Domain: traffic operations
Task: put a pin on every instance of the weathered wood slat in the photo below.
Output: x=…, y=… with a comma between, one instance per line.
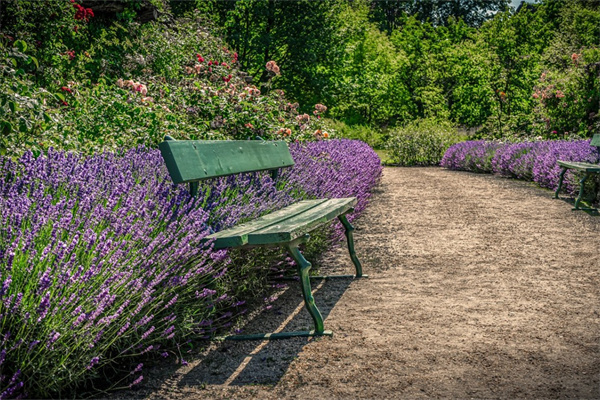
x=580, y=166
x=238, y=235
x=193, y=160
x=292, y=228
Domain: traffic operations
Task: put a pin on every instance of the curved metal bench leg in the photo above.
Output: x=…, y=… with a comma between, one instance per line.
x=349, y=228
x=560, y=182
x=581, y=185
x=303, y=269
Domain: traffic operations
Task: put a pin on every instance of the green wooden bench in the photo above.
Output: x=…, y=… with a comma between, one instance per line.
x=190, y=161
x=586, y=168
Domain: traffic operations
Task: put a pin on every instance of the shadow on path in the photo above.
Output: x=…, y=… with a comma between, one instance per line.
x=253, y=362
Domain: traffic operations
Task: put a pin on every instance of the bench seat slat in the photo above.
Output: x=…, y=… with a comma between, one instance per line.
x=238, y=235
x=292, y=228
x=580, y=166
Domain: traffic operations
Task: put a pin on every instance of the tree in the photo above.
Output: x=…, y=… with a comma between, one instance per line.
x=387, y=13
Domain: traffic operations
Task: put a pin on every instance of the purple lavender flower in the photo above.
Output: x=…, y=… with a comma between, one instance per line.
x=137, y=381
x=93, y=361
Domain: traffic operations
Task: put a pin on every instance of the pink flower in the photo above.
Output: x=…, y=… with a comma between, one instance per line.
x=319, y=109
x=302, y=118
x=272, y=67
x=560, y=94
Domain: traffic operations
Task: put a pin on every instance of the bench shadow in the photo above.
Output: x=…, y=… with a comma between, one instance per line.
x=594, y=212
x=255, y=362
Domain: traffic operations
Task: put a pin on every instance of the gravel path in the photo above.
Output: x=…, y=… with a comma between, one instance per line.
x=480, y=287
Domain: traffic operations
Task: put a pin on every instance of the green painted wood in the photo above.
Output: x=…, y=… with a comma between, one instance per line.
x=350, y=239
x=595, y=140
x=309, y=301
x=580, y=166
x=238, y=235
x=193, y=160
x=296, y=226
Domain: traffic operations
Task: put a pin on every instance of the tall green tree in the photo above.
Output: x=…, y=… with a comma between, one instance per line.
x=297, y=35
x=388, y=13
x=516, y=42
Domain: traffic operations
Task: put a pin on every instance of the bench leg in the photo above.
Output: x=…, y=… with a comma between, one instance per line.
x=349, y=228
x=303, y=269
x=581, y=185
x=560, y=182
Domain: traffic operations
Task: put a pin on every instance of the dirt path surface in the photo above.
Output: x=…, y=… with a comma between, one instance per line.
x=479, y=287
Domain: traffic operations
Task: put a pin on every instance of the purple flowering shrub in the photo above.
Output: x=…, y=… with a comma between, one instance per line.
x=475, y=156
x=516, y=160
x=334, y=169
x=536, y=161
x=101, y=257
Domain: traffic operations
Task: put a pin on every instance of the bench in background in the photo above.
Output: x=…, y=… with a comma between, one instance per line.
x=586, y=168
x=190, y=161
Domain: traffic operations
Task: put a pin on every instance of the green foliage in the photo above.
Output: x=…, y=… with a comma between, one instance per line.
x=368, y=82
x=475, y=63
x=422, y=142
x=133, y=84
x=372, y=136
x=388, y=13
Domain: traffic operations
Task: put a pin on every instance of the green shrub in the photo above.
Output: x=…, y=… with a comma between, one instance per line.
x=422, y=142
x=372, y=136
x=113, y=92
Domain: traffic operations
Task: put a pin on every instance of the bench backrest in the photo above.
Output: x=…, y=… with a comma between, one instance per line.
x=190, y=161
x=595, y=140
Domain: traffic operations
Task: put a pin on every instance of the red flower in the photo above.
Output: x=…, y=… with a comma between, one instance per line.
x=65, y=103
x=71, y=54
x=200, y=58
x=66, y=89
x=82, y=13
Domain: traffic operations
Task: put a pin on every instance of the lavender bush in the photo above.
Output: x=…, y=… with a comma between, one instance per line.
x=475, y=156
x=101, y=260
x=536, y=161
x=516, y=160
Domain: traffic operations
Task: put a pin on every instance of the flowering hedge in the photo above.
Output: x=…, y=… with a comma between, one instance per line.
x=100, y=257
x=536, y=161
